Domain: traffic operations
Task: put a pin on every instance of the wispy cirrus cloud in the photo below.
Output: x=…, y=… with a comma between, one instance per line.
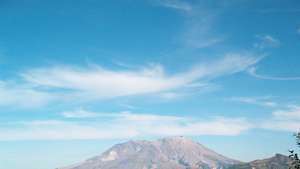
x=63, y=130
x=284, y=120
x=260, y=101
x=12, y=94
x=176, y=4
x=266, y=41
x=79, y=113
x=106, y=83
x=279, y=10
x=66, y=83
x=253, y=72
x=130, y=125
x=122, y=125
x=200, y=29
x=200, y=20
x=292, y=113
x=199, y=33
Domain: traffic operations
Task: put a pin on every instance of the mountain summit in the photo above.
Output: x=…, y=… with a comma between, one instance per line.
x=167, y=153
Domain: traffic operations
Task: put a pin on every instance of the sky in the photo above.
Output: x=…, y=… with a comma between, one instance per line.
x=77, y=77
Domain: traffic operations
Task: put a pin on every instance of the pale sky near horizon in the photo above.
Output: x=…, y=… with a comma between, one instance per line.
x=77, y=77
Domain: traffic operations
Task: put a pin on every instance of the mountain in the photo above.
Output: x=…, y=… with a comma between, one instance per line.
x=172, y=153
x=167, y=153
x=277, y=162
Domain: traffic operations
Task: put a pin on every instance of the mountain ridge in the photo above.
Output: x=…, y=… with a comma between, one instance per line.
x=166, y=153
x=278, y=161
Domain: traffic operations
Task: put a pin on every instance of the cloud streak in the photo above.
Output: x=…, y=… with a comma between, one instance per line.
x=284, y=120
x=176, y=4
x=199, y=22
x=267, y=41
x=80, y=113
x=253, y=72
x=76, y=126
x=260, y=101
x=200, y=29
x=122, y=125
x=65, y=83
x=293, y=113
x=12, y=95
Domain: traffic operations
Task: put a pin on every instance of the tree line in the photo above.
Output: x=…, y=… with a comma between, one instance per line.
x=295, y=161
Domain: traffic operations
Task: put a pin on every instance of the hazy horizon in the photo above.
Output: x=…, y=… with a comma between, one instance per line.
x=80, y=76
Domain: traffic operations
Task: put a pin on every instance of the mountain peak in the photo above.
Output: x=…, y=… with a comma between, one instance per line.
x=176, y=139
x=172, y=152
x=279, y=155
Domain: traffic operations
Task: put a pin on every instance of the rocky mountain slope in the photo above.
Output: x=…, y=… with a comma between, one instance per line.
x=172, y=153
x=168, y=153
x=277, y=162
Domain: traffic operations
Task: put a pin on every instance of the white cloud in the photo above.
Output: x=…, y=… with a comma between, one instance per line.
x=25, y=96
x=171, y=95
x=200, y=29
x=261, y=101
x=130, y=125
x=102, y=82
x=127, y=106
x=65, y=83
x=217, y=126
x=253, y=72
x=125, y=115
x=282, y=125
x=128, y=116
x=123, y=125
x=64, y=130
x=298, y=30
x=277, y=10
x=266, y=41
x=199, y=22
x=201, y=40
x=293, y=113
x=176, y=4
x=80, y=113
x=284, y=120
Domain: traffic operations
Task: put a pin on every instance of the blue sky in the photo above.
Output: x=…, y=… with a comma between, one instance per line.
x=79, y=76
